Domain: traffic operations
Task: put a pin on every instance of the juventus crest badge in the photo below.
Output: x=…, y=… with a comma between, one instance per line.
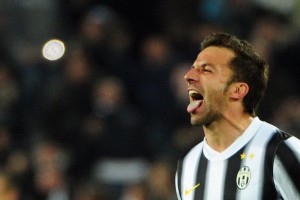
x=243, y=177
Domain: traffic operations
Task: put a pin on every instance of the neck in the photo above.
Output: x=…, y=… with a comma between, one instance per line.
x=222, y=133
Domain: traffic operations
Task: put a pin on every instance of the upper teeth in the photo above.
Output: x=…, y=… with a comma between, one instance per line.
x=191, y=92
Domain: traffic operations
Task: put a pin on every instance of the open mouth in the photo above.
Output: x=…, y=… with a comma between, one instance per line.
x=195, y=96
x=196, y=101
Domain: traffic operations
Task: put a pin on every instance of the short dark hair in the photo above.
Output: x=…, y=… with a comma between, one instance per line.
x=247, y=66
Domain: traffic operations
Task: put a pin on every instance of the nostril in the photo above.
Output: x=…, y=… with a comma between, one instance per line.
x=189, y=77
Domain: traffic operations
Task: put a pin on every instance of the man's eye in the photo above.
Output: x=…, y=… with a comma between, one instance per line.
x=206, y=70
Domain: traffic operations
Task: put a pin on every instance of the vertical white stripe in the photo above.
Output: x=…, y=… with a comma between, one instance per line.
x=189, y=171
x=214, y=183
x=294, y=144
x=283, y=182
x=255, y=160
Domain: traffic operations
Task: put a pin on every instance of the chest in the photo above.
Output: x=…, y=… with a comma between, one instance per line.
x=241, y=176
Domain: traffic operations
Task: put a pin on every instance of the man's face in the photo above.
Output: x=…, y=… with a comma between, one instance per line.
x=207, y=85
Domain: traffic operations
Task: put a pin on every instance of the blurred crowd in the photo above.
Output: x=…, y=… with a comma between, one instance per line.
x=108, y=120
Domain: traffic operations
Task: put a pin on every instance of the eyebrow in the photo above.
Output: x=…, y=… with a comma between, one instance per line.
x=201, y=65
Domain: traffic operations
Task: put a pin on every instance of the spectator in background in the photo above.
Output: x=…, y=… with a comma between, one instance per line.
x=234, y=15
x=121, y=135
x=23, y=39
x=18, y=166
x=91, y=190
x=8, y=188
x=14, y=163
x=268, y=37
x=106, y=40
x=287, y=115
x=50, y=165
x=137, y=191
x=10, y=102
x=152, y=91
x=160, y=183
x=67, y=98
x=177, y=94
x=178, y=118
x=184, y=137
x=108, y=43
x=6, y=144
x=111, y=134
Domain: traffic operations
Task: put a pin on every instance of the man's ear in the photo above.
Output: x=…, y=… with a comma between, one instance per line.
x=238, y=90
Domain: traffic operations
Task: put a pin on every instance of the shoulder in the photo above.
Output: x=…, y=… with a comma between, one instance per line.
x=194, y=152
x=273, y=134
x=289, y=149
x=294, y=142
x=287, y=153
x=287, y=167
x=192, y=155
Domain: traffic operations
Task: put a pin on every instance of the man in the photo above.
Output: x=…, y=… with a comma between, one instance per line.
x=241, y=157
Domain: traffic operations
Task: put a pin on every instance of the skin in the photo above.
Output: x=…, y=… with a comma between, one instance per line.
x=221, y=113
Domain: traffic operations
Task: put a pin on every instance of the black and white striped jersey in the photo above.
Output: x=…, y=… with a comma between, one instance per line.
x=263, y=163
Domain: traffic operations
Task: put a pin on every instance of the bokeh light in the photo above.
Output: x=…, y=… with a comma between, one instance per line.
x=53, y=49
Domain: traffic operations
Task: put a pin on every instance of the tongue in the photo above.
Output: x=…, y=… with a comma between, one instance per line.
x=193, y=106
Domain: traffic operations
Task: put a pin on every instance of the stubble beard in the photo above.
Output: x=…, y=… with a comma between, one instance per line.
x=205, y=120
x=210, y=115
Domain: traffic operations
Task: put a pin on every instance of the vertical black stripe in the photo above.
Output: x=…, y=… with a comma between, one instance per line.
x=290, y=163
x=201, y=174
x=269, y=190
x=179, y=174
x=233, y=167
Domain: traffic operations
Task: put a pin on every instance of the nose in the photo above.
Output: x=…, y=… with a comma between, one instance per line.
x=191, y=76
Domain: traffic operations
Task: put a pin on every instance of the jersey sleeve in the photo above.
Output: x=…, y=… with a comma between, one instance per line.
x=178, y=179
x=177, y=187
x=286, y=169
